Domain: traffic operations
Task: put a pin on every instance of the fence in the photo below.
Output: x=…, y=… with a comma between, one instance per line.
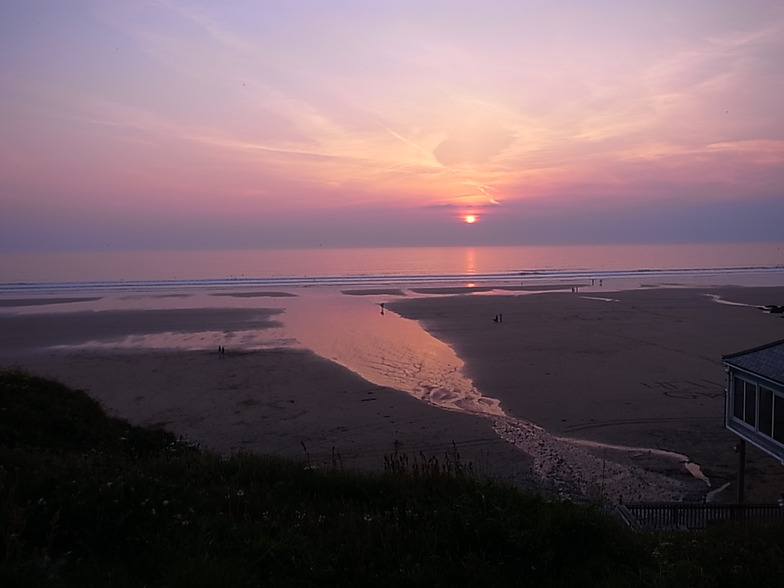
x=669, y=516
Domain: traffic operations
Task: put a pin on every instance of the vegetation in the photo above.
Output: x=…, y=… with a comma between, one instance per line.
x=87, y=500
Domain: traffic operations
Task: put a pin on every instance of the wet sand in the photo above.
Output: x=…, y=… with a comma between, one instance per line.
x=638, y=368
x=284, y=402
x=267, y=394
x=564, y=381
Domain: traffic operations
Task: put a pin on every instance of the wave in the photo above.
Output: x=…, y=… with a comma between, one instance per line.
x=528, y=277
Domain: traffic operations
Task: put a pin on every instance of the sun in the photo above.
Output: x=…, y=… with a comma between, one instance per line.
x=470, y=218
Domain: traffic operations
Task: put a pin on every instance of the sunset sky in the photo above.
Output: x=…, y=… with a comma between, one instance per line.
x=144, y=124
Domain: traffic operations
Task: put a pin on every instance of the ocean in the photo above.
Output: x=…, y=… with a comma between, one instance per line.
x=51, y=273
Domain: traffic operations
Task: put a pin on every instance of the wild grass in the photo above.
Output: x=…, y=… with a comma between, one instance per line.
x=87, y=500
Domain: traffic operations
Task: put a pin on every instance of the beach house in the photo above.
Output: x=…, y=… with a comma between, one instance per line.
x=754, y=405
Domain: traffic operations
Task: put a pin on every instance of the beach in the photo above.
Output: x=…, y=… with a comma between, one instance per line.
x=587, y=393
x=637, y=368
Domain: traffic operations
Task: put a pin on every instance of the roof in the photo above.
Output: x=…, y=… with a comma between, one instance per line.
x=766, y=361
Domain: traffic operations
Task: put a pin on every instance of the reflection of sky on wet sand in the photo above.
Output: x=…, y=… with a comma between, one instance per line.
x=396, y=352
x=385, y=349
x=348, y=329
x=148, y=329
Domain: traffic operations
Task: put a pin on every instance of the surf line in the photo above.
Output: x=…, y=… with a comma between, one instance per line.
x=719, y=300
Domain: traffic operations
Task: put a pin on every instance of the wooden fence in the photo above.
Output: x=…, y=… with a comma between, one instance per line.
x=685, y=516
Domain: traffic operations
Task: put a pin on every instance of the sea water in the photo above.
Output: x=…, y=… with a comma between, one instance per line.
x=741, y=264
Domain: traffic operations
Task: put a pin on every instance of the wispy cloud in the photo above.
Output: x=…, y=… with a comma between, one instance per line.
x=404, y=105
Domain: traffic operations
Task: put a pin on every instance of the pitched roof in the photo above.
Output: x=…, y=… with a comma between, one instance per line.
x=766, y=360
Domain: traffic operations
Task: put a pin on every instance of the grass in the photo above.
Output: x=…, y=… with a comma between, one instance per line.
x=88, y=500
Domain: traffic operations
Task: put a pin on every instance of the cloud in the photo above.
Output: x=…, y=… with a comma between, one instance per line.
x=472, y=146
x=248, y=114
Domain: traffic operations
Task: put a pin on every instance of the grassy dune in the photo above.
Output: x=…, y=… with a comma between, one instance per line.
x=88, y=500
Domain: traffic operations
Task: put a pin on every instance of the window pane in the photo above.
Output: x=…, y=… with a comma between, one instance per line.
x=765, y=421
x=737, y=398
x=750, y=408
x=778, y=418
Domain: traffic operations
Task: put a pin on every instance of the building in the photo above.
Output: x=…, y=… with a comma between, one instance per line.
x=754, y=405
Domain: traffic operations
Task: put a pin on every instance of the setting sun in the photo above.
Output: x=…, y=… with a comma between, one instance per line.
x=470, y=218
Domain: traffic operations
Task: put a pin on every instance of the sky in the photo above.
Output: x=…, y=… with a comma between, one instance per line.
x=180, y=124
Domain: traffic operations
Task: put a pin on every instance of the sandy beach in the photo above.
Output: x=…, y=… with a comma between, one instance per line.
x=618, y=394
x=638, y=368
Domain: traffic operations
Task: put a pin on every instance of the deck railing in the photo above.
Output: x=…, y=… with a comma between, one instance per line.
x=693, y=516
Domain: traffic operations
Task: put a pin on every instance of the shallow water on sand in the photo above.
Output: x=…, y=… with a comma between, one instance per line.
x=388, y=350
x=385, y=349
x=382, y=347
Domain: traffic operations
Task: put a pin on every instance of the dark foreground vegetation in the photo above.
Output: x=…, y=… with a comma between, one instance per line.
x=87, y=500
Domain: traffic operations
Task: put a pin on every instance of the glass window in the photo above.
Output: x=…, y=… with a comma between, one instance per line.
x=778, y=418
x=765, y=420
x=737, y=398
x=750, y=404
